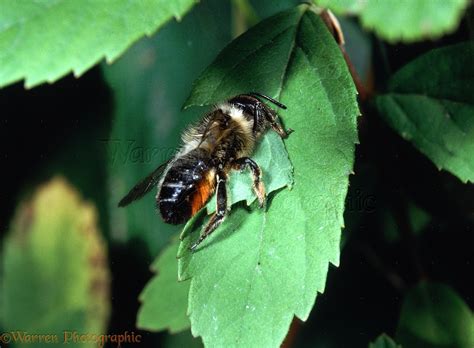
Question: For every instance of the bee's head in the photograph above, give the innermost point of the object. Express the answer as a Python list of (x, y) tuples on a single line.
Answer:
[(263, 116)]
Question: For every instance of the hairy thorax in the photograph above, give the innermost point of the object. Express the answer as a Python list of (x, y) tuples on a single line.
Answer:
[(227, 134)]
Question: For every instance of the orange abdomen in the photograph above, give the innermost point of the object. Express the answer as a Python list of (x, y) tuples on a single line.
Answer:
[(204, 190)]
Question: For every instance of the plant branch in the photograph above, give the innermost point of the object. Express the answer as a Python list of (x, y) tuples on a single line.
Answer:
[(335, 29)]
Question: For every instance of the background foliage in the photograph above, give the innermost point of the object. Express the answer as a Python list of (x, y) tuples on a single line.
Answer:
[(406, 242)]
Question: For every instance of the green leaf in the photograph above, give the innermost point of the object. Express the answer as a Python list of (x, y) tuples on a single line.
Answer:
[(396, 20), (383, 341), (260, 268), (431, 102), (164, 299), (272, 158), (434, 316), (41, 41), (150, 83), (55, 274)]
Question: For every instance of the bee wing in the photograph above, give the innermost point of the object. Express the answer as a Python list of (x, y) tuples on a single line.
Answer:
[(144, 186)]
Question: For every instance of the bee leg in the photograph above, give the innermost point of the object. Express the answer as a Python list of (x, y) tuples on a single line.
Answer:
[(277, 127), (258, 185), (221, 211)]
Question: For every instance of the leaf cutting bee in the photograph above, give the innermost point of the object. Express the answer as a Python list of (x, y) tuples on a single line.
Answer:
[(222, 141)]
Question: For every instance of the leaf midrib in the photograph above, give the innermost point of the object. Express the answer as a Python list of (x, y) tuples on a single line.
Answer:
[(256, 50), (290, 55), (283, 80)]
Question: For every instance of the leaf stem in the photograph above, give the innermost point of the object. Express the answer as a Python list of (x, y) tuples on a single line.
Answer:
[(376, 262), (335, 29)]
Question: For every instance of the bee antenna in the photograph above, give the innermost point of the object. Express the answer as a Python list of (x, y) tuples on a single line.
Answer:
[(277, 103)]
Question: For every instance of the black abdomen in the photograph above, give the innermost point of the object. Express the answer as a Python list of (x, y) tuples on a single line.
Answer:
[(176, 199)]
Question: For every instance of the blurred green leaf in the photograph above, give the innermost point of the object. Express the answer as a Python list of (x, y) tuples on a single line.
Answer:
[(418, 218), (343, 6), (164, 299), (431, 102), (383, 341), (43, 40), (243, 16), (272, 158), (396, 20), (55, 276), (286, 251), (150, 83), (434, 316)]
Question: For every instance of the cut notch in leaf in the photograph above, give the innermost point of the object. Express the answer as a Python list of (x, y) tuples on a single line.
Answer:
[(277, 172), (286, 250)]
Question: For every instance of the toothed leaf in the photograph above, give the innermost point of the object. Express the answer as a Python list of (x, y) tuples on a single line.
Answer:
[(260, 268), (431, 103), (41, 41)]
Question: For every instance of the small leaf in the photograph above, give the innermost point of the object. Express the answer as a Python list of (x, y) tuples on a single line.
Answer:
[(431, 102), (164, 299), (383, 341), (260, 268), (55, 274), (434, 316), (41, 41), (396, 20), (272, 158)]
